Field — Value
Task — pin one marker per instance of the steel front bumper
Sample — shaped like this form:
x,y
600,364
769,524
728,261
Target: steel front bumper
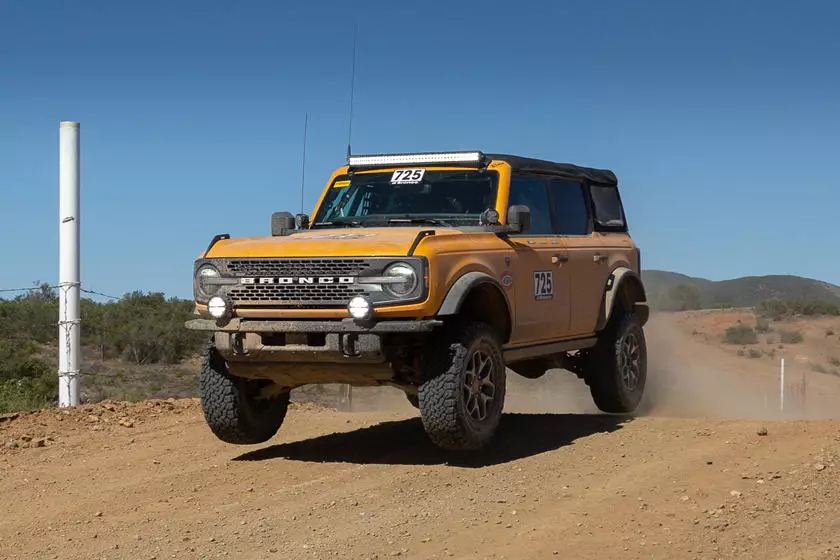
x,y
340,343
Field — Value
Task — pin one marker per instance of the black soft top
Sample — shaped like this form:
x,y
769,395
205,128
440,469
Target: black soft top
x,y
524,164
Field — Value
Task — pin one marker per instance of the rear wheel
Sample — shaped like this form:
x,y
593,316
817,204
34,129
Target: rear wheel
x,y
233,407
616,369
463,390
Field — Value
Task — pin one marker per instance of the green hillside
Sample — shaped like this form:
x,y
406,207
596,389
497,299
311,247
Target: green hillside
x,y
670,290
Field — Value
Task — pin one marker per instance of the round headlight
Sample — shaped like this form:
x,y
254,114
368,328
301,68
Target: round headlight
x,y
204,273
405,279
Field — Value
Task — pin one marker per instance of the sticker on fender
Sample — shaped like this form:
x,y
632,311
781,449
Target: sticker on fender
x,y
543,285
407,176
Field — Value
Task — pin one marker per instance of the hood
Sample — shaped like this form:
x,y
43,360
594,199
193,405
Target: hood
x,y
340,242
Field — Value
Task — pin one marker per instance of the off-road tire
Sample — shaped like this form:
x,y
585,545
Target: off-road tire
x,y
444,399
230,406
614,388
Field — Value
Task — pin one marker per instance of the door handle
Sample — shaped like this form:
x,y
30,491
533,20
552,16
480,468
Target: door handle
x,y
599,257
555,259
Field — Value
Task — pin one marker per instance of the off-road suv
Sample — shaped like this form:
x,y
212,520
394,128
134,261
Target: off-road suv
x,y
428,272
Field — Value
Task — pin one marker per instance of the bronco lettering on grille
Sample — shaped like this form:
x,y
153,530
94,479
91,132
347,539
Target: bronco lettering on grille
x,y
300,280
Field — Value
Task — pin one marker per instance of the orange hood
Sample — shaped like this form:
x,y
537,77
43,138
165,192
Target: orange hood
x,y
341,242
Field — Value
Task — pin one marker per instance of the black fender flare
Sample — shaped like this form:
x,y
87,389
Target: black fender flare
x,y
619,277
463,286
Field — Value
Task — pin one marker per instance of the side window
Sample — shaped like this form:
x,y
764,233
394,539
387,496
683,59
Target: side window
x,y
533,193
569,208
607,207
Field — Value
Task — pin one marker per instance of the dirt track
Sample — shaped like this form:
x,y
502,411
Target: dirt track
x,y
369,485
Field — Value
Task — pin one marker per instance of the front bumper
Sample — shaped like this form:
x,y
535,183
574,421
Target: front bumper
x,y
239,325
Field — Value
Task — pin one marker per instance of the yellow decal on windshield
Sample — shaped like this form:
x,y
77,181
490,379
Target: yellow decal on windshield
x,y
339,184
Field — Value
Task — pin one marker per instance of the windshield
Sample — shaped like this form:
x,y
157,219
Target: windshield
x,y
408,196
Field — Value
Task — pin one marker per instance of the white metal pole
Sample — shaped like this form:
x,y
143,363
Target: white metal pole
x,y
782,387
68,265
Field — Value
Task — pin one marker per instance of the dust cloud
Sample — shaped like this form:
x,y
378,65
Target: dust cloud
x,y
686,379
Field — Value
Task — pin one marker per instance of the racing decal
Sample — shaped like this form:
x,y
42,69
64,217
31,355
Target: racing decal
x,y
507,279
543,285
407,176
341,184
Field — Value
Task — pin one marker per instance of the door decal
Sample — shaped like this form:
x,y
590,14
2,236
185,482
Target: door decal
x,y
543,285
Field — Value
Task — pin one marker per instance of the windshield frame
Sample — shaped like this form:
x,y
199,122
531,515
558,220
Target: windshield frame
x,y
416,219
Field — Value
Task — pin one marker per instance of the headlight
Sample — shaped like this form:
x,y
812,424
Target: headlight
x,y
207,272
402,278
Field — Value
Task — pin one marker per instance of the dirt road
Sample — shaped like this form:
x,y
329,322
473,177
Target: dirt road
x,y
149,481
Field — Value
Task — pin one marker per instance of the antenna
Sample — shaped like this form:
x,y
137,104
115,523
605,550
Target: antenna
x,y
303,165
352,89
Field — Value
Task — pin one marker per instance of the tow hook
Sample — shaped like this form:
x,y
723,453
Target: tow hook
x,y
348,345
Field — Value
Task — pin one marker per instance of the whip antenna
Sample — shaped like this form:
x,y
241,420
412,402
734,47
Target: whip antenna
x,y
352,89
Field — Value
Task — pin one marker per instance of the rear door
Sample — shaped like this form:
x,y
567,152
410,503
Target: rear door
x,y
590,253
540,279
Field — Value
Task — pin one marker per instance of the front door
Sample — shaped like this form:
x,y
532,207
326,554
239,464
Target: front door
x,y
541,281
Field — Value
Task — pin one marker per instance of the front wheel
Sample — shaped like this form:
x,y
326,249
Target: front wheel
x,y
463,389
233,407
617,366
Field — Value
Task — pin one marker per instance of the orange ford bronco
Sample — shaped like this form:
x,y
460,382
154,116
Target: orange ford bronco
x,y
433,273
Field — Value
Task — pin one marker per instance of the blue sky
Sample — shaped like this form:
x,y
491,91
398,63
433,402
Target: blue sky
x,y
721,119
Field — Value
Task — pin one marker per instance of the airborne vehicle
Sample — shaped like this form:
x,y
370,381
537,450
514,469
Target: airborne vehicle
x,y
435,273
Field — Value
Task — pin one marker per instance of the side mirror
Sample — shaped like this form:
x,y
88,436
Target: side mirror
x,y
302,221
282,223
519,218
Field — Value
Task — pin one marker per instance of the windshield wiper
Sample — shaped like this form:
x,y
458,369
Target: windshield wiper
x,y
418,221
339,223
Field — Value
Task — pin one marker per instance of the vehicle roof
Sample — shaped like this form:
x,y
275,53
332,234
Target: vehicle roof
x,y
526,164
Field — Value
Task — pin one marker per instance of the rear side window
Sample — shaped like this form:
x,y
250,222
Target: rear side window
x,y
533,193
607,209
570,212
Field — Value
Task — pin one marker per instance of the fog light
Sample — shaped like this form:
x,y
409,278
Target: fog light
x,y
359,308
217,307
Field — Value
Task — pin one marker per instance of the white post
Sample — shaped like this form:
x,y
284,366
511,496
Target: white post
x,y
782,388
68,265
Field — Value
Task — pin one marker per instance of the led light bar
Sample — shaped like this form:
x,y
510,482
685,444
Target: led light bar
x,y
412,159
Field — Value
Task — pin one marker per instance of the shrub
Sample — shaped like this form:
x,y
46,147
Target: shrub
x,y
29,393
740,334
740,351
829,332
776,308
791,337
753,353
762,325
834,361
818,367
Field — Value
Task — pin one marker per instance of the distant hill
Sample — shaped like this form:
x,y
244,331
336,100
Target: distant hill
x,y
665,290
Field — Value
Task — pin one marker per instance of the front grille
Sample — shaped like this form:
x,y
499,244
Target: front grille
x,y
295,295
297,267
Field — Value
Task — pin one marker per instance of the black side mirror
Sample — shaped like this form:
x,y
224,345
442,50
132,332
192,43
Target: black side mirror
x,y
282,223
519,218
302,221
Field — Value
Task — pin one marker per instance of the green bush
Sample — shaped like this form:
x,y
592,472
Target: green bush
x,y
28,393
834,361
790,337
753,353
778,309
818,368
740,334
762,325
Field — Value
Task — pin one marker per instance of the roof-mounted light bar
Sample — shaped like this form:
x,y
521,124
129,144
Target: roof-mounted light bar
x,y
415,159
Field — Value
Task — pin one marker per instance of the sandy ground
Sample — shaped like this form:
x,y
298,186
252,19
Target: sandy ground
x,y
709,469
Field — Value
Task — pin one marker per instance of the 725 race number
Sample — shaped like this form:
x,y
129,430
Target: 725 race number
x,y
543,285
407,176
